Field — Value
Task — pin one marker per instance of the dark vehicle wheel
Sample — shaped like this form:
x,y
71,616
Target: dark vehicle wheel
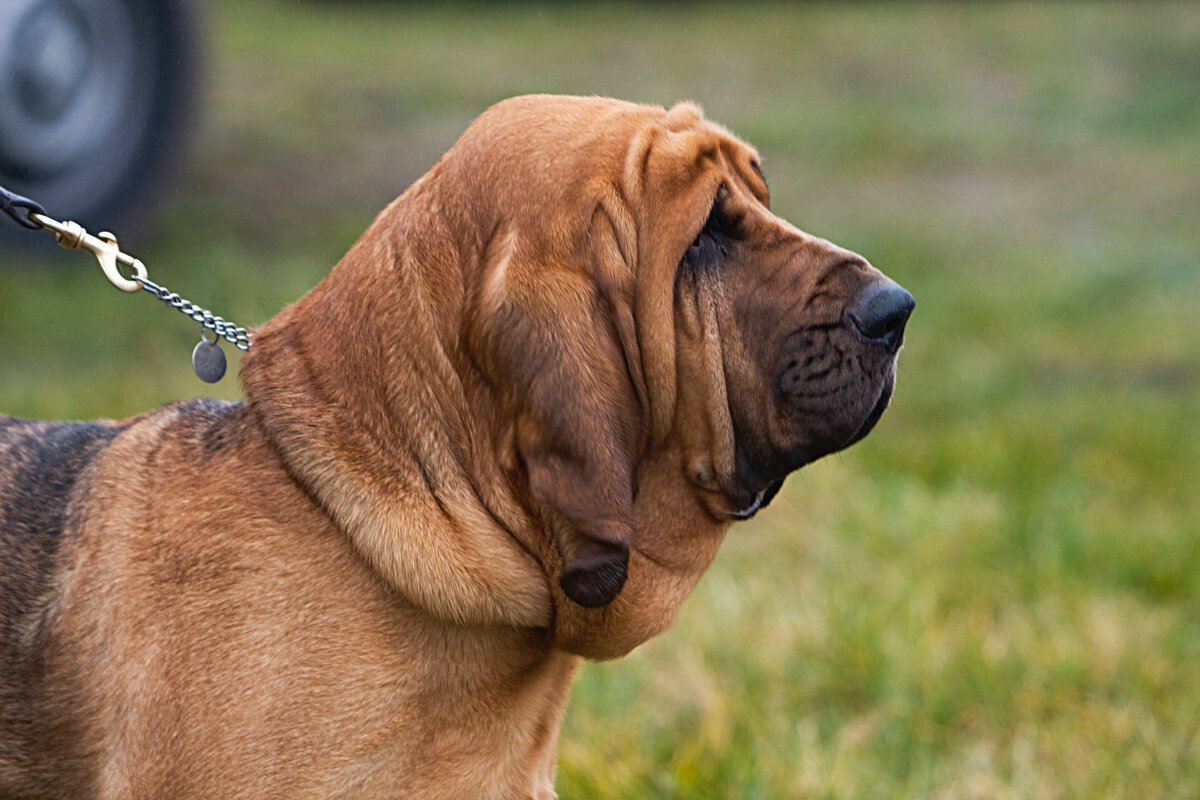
x,y
95,101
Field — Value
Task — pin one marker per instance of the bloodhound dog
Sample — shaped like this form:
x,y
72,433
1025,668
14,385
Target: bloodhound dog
x,y
507,431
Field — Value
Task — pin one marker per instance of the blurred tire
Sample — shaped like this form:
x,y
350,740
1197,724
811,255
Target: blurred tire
x,y
96,99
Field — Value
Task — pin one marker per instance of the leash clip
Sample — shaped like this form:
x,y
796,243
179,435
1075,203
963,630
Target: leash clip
x,y
74,236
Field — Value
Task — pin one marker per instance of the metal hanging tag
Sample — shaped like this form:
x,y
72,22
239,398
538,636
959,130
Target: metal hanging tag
x,y
208,359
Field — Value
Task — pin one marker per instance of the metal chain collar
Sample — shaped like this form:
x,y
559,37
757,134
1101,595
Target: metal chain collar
x,y
236,335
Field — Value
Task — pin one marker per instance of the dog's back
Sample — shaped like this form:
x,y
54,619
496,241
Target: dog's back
x,y
43,470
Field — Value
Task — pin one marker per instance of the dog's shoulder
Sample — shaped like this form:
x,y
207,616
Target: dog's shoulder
x,y
44,478
51,474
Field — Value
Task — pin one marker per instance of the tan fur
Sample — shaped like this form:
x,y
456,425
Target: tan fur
x,y
349,586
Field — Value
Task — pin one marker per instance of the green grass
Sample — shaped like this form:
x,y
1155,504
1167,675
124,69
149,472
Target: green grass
x,y
997,595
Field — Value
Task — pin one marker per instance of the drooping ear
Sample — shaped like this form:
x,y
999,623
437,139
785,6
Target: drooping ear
x,y
555,339
669,169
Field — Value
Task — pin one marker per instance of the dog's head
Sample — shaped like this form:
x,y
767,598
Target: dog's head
x,y
567,359
656,333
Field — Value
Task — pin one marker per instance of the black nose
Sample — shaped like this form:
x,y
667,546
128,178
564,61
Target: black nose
x,y
882,313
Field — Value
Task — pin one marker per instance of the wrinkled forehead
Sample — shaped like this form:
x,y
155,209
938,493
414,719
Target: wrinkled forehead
x,y
696,150
546,143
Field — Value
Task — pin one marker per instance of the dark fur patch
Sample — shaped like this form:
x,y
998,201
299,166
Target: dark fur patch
x,y
43,462
211,418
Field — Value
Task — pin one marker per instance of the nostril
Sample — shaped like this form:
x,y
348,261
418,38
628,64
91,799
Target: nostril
x,y
887,328
882,313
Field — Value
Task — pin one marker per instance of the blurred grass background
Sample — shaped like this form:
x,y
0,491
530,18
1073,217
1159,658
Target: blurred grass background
x,y
997,594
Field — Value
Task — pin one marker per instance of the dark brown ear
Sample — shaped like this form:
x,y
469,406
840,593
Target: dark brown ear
x,y
554,343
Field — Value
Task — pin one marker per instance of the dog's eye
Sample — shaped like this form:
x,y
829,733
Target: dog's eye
x,y
723,219
718,234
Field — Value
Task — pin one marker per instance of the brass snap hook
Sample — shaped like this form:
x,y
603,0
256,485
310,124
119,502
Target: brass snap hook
x,y
74,236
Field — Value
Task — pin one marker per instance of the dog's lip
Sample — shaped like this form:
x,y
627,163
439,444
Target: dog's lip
x,y
751,510
761,500
885,397
722,507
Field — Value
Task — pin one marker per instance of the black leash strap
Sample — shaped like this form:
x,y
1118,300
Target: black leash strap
x,y
19,208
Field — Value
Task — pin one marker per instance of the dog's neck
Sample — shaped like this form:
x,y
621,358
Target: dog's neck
x,y
371,399
357,386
